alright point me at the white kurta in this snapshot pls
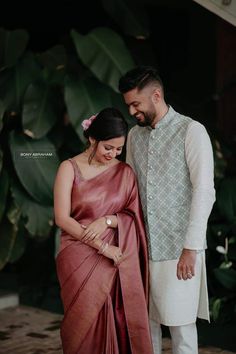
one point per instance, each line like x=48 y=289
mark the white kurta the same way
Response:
x=176 y=302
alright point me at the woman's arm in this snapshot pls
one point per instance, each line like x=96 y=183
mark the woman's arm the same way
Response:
x=62 y=201
x=62 y=209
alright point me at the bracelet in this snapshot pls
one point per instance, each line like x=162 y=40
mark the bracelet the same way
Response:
x=103 y=247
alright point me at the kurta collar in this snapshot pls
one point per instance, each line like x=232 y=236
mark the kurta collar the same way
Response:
x=166 y=119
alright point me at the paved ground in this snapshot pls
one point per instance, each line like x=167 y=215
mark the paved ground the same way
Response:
x=26 y=330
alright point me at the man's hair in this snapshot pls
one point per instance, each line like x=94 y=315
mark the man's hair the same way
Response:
x=139 y=78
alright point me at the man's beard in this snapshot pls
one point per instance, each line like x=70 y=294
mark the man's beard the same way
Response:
x=148 y=119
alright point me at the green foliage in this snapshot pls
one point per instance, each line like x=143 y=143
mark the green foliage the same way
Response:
x=130 y=15
x=221 y=260
x=4 y=185
x=8 y=234
x=39 y=114
x=12 y=46
x=105 y=53
x=43 y=99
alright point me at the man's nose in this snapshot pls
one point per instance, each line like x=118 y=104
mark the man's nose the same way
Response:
x=132 y=110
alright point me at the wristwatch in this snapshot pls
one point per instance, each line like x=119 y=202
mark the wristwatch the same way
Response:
x=108 y=221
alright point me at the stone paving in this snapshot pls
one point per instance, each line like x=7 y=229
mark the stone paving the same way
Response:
x=26 y=330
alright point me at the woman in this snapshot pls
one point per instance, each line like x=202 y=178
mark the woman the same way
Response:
x=102 y=261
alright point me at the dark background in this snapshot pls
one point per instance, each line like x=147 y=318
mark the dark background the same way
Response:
x=194 y=51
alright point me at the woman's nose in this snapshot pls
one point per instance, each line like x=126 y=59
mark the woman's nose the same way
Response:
x=112 y=153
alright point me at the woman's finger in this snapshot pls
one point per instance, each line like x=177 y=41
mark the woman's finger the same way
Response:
x=87 y=235
x=97 y=236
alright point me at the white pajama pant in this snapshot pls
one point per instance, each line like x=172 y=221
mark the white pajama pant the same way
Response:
x=176 y=304
x=184 y=338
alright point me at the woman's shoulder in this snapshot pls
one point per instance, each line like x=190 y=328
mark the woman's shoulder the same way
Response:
x=65 y=164
x=127 y=168
x=70 y=161
x=68 y=164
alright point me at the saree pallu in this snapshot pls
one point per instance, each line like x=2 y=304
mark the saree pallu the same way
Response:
x=105 y=307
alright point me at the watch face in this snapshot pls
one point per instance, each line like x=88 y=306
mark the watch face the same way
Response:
x=108 y=221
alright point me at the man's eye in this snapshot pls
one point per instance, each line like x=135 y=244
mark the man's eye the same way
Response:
x=107 y=148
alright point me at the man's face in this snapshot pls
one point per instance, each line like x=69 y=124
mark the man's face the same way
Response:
x=141 y=106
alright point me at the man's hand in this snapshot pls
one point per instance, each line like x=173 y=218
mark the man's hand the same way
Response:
x=186 y=264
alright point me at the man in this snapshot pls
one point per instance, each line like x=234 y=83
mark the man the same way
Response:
x=172 y=157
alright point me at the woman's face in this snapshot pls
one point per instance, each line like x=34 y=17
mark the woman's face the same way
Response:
x=109 y=149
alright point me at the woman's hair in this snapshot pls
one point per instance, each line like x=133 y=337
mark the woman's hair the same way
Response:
x=108 y=124
x=140 y=77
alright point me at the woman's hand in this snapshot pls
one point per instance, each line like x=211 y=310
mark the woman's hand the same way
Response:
x=114 y=253
x=94 y=230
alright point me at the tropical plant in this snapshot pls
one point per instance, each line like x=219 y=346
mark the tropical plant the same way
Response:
x=221 y=260
x=43 y=99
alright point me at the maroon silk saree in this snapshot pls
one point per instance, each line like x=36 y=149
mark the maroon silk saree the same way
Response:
x=105 y=307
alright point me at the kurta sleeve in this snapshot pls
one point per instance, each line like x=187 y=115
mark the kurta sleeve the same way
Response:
x=199 y=157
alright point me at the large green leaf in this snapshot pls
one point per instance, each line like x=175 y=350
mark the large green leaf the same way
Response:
x=84 y=98
x=227 y=277
x=215 y=308
x=7 y=90
x=54 y=58
x=232 y=251
x=129 y=15
x=13 y=213
x=4 y=186
x=1 y=160
x=7 y=239
x=39 y=114
x=54 y=63
x=104 y=53
x=14 y=81
x=38 y=218
x=2 y=110
x=36 y=164
x=12 y=46
x=19 y=245
x=226 y=199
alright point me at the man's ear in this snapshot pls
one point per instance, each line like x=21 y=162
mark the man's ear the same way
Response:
x=156 y=96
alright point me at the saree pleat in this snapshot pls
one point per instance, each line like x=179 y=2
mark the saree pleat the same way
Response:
x=105 y=307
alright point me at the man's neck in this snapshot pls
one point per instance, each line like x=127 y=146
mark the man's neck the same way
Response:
x=163 y=110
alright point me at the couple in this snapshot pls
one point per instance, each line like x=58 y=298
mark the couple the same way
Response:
x=106 y=278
